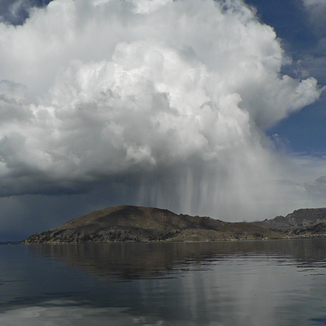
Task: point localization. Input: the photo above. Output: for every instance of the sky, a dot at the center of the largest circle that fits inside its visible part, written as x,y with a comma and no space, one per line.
201,107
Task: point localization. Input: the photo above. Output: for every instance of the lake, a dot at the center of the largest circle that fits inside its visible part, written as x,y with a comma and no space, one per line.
281,282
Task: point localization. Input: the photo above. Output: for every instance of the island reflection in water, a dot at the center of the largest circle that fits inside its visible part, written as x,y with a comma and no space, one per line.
127,261
241,283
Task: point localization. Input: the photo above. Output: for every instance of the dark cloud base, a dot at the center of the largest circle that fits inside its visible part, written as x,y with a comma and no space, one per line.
16,12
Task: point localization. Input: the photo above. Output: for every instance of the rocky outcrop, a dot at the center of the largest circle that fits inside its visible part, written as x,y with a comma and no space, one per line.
304,222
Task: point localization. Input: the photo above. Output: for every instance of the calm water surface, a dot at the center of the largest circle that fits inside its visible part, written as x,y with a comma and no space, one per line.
280,282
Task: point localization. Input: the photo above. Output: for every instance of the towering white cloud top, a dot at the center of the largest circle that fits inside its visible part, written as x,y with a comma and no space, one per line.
175,95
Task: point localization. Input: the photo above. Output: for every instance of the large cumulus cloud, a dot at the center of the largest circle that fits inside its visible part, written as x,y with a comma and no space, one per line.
172,97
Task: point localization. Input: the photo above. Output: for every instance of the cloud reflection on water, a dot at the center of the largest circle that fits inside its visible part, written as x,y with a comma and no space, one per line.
226,283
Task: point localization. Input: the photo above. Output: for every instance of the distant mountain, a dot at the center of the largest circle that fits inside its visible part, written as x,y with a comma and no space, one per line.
136,224
301,222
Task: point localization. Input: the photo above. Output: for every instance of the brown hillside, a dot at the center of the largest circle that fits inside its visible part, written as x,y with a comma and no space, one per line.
133,223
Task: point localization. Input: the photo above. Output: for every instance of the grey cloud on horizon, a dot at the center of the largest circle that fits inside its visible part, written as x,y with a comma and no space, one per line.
170,104
317,187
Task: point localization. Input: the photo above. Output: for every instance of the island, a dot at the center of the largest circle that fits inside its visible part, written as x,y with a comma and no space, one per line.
127,223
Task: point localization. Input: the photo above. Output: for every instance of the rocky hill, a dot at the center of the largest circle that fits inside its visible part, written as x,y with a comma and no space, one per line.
141,224
301,222
135,224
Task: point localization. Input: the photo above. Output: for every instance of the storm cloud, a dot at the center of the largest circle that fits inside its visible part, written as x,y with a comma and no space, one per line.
15,12
167,99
